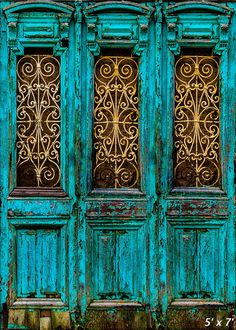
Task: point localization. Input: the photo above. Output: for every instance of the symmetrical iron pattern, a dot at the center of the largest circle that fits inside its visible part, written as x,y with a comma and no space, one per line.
38,121
116,127
196,128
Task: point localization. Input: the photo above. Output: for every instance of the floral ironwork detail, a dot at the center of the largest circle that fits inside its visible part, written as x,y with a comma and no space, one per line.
116,127
196,127
38,121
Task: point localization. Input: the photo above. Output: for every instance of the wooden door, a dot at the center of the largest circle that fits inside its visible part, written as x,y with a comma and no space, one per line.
116,153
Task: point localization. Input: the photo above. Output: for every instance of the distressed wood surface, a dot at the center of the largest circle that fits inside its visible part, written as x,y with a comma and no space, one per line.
152,257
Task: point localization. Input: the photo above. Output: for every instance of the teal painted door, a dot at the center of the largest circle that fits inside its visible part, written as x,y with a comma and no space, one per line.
117,139
39,219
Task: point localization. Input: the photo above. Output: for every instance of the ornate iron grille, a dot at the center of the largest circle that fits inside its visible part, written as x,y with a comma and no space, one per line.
38,121
116,128
196,128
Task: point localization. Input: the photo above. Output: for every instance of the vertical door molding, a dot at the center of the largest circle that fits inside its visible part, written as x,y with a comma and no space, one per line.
115,26
4,164
198,25
43,229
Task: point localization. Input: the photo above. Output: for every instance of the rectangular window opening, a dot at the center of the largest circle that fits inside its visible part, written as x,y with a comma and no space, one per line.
197,120
38,120
116,121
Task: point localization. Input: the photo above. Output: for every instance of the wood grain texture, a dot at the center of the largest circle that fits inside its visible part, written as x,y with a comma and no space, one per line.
147,258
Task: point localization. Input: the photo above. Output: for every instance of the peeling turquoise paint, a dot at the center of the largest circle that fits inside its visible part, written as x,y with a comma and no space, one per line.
154,250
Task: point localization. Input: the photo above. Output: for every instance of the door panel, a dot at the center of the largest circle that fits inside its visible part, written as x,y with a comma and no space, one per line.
185,244
115,254
40,261
40,266
197,260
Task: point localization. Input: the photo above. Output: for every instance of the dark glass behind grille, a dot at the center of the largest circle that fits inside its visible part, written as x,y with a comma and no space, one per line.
38,121
116,123
197,117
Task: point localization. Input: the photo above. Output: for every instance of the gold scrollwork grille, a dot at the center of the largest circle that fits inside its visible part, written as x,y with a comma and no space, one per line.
116,127
196,127
38,121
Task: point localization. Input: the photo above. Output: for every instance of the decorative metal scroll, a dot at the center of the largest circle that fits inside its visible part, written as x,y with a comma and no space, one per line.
116,128
38,121
196,128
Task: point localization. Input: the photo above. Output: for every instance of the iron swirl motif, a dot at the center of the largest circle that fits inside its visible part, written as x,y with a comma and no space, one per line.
196,127
116,129
38,121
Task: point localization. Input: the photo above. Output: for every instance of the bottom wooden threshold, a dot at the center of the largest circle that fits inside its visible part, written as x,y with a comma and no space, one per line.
195,302
114,303
39,302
